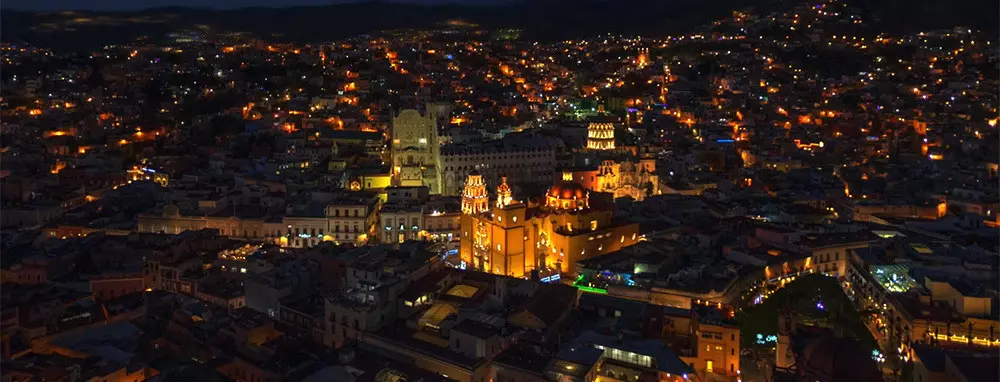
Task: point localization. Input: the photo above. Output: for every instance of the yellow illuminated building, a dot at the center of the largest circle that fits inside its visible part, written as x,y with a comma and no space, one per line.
513,238
601,136
628,179
474,198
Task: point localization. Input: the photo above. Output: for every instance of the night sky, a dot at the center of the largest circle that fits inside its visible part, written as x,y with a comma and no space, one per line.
130,5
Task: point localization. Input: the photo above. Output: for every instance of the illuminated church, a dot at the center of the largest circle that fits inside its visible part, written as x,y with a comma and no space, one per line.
601,136
511,237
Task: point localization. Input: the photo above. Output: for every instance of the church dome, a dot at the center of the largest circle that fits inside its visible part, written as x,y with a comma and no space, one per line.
833,359
567,190
567,195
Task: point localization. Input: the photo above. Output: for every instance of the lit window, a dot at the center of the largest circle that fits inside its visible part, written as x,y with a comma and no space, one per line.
243,270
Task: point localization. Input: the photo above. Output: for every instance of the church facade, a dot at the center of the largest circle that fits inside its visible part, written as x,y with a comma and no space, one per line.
628,179
513,238
416,149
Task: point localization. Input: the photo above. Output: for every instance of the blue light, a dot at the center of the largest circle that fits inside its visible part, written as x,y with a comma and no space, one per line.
450,57
725,141
549,279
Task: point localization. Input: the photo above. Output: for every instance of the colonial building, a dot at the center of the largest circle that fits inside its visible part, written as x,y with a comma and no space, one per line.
601,136
415,149
349,218
522,157
513,238
626,178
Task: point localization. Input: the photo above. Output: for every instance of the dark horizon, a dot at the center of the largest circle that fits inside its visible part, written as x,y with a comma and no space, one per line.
220,5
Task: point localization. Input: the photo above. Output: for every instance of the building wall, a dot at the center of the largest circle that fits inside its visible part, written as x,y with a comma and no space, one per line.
503,373
519,166
908,211
922,374
966,305
516,247
719,345
25,275
503,234
833,259
425,361
398,226
264,298
415,148
474,347
110,288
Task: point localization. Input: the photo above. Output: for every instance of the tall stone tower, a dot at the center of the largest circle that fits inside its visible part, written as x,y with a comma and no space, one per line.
601,136
474,197
504,196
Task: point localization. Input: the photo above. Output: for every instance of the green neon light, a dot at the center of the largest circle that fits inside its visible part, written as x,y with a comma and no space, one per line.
592,289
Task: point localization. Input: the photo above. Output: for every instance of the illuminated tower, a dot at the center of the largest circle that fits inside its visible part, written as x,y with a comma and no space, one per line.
601,136
504,197
474,198
643,58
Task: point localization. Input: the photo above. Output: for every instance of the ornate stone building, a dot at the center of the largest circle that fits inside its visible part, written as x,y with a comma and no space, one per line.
626,178
601,136
513,237
522,157
415,149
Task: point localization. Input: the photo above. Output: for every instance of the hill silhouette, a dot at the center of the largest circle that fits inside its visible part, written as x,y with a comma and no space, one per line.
543,20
